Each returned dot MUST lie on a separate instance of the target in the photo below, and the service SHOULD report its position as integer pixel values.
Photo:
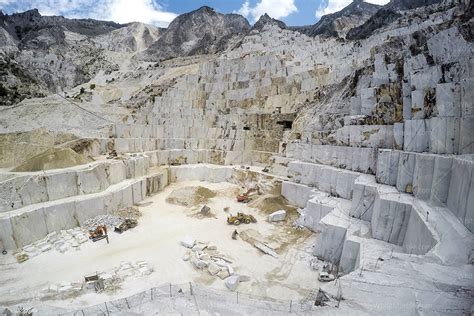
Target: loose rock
(277, 216)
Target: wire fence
(195, 297)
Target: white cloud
(120, 11)
(123, 11)
(331, 6)
(5, 2)
(277, 9)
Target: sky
(162, 12)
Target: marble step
(30, 223)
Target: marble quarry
(372, 141)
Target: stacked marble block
(57, 200)
(438, 106)
(212, 108)
(194, 144)
(441, 179)
(357, 159)
(339, 234)
(380, 210)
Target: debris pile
(108, 220)
(205, 257)
(98, 282)
(61, 241)
(128, 213)
(126, 217)
(190, 196)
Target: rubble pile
(107, 220)
(108, 280)
(128, 213)
(61, 241)
(112, 220)
(205, 257)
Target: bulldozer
(127, 224)
(241, 218)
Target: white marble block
(418, 105)
(416, 135)
(387, 166)
(355, 105)
(406, 168)
(441, 179)
(423, 175)
(466, 145)
(368, 100)
(444, 135)
(467, 97)
(448, 100)
(390, 218)
(461, 191)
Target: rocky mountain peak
(339, 23)
(410, 4)
(205, 9)
(267, 20)
(198, 32)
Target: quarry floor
(156, 240)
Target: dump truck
(241, 218)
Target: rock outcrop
(339, 23)
(370, 136)
(267, 20)
(202, 31)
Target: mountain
(19, 24)
(383, 17)
(339, 23)
(267, 20)
(201, 31)
(409, 4)
(40, 55)
(135, 37)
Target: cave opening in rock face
(222, 167)
(287, 125)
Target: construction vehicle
(126, 225)
(241, 218)
(326, 277)
(100, 232)
(245, 197)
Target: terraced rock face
(371, 138)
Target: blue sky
(162, 12)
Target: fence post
(128, 305)
(83, 312)
(237, 297)
(291, 305)
(191, 288)
(106, 308)
(151, 293)
(171, 294)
